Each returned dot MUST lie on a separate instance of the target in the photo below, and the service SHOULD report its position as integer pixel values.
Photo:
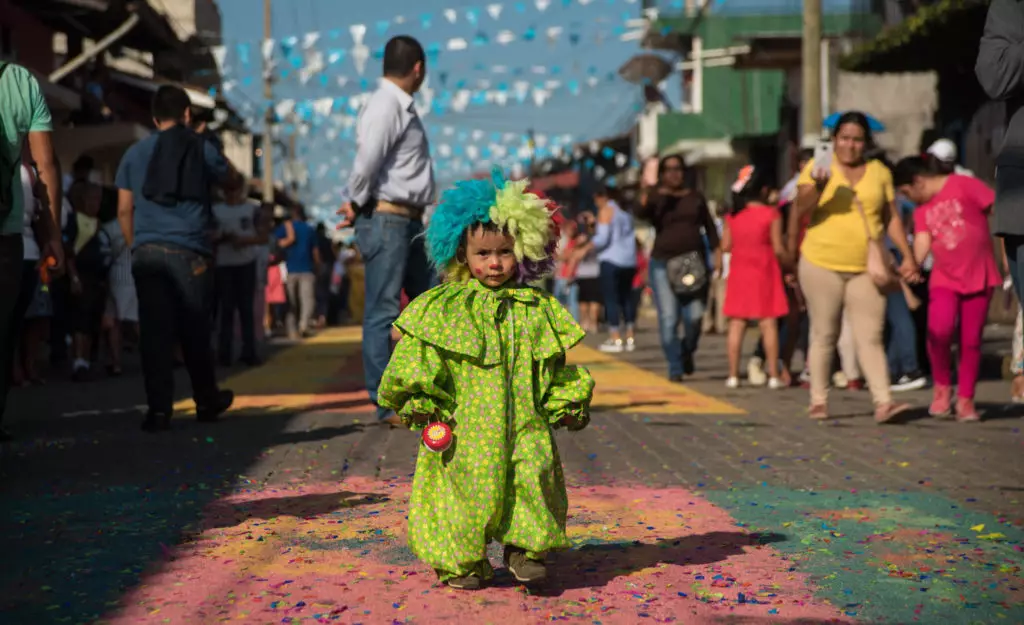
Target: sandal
(818, 412)
(885, 413)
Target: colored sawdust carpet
(894, 557)
(337, 554)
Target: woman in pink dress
(274, 293)
(754, 291)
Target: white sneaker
(612, 346)
(732, 382)
(755, 372)
(839, 380)
(775, 384)
(630, 345)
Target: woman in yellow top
(833, 261)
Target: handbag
(879, 260)
(687, 273)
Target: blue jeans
(617, 289)
(672, 309)
(901, 348)
(568, 294)
(394, 257)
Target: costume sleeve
(415, 382)
(568, 395)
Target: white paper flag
(358, 32)
(494, 10)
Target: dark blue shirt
(298, 257)
(185, 224)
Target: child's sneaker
(469, 582)
(522, 568)
(941, 396)
(965, 410)
(732, 382)
(630, 344)
(613, 346)
(775, 384)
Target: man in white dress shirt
(391, 185)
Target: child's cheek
(478, 271)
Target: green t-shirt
(22, 110)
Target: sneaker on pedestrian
(755, 372)
(612, 346)
(524, 569)
(775, 384)
(941, 398)
(630, 344)
(965, 410)
(688, 364)
(220, 405)
(839, 380)
(732, 382)
(805, 377)
(909, 381)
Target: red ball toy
(437, 436)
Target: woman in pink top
(951, 222)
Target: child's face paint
(491, 257)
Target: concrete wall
(905, 103)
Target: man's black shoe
(156, 422)
(209, 414)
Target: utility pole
(268, 98)
(811, 72)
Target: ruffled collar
(468, 318)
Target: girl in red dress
(754, 291)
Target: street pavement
(689, 503)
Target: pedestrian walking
(850, 201)
(164, 208)
(951, 222)
(297, 241)
(679, 271)
(240, 240)
(752, 234)
(23, 116)
(482, 358)
(615, 243)
(391, 185)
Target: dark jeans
(236, 291)
(617, 289)
(901, 340)
(175, 290)
(395, 259)
(60, 322)
(674, 310)
(11, 251)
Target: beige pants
(830, 296)
(714, 317)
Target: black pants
(236, 291)
(175, 290)
(11, 251)
(617, 290)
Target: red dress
(754, 288)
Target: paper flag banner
(360, 54)
(472, 16)
(505, 37)
(457, 43)
(219, 53)
(358, 32)
(450, 15)
(494, 10)
(310, 39)
(542, 5)
(382, 27)
(620, 159)
(268, 49)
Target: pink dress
(957, 219)
(275, 286)
(754, 288)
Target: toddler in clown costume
(484, 352)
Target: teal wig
(508, 205)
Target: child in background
(951, 222)
(485, 353)
(754, 291)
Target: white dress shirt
(392, 156)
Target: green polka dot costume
(491, 363)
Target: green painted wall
(744, 103)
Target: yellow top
(835, 236)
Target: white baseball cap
(944, 150)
